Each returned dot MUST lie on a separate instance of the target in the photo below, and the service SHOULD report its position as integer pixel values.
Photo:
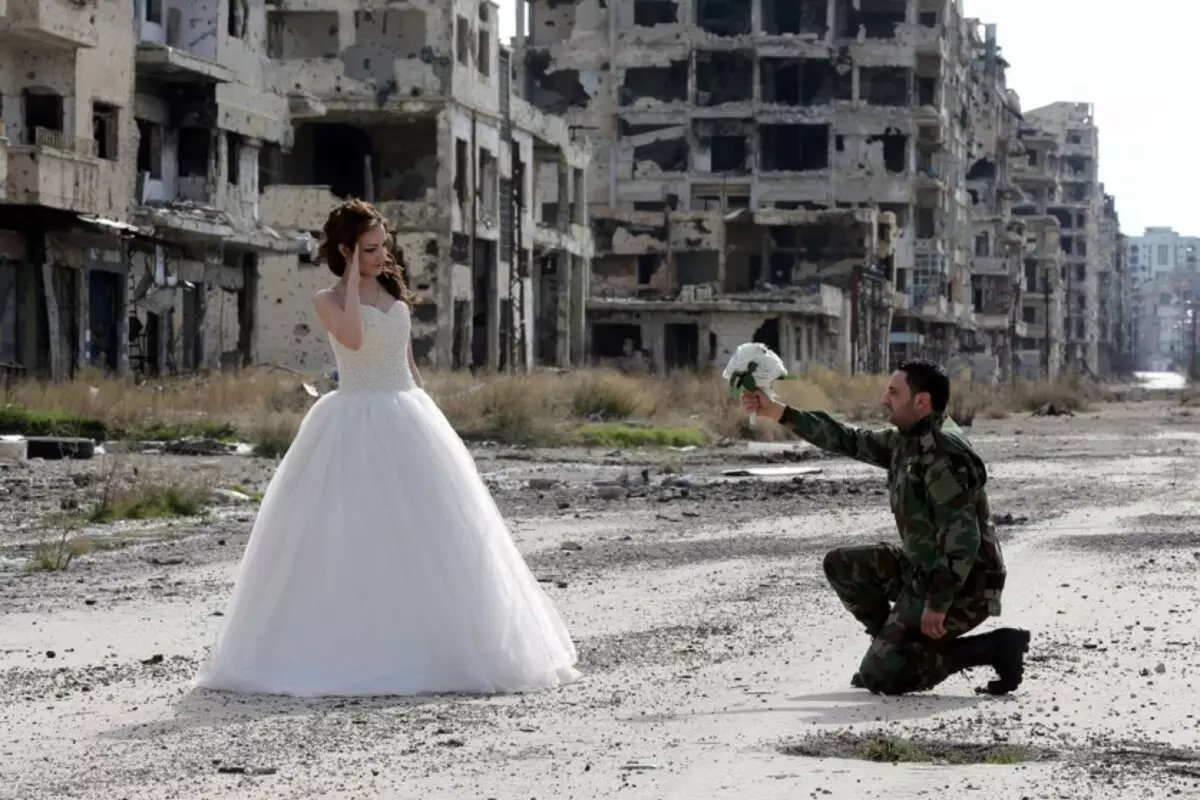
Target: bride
(379, 563)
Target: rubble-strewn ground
(709, 641)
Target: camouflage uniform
(948, 559)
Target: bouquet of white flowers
(753, 367)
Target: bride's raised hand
(353, 276)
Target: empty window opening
(233, 154)
(983, 245)
(802, 82)
(895, 150)
(647, 265)
(729, 153)
(880, 18)
(647, 13)
(695, 267)
(460, 169)
(270, 165)
(926, 91)
(577, 196)
(783, 17)
(982, 170)
(488, 176)
(484, 52)
(656, 148)
(462, 40)
(616, 341)
(926, 222)
(43, 110)
(150, 143)
(724, 78)
(554, 91)
(794, 148)
(885, 86)
(724, 17)
(665, 84)
(194, 145)
(105, 129)
(239, 11)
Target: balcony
(173, 64)
(59, 24)
(990, 265)
(57, 171)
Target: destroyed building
(413, 107)
(997, 238)
(1035, 172)
(204, 115)
(66, 83)
(788, 171)
(1115, 351)
(129, 233)
(1079, 208)
(1164, 280)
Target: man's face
(903, 408)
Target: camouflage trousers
(870, 581)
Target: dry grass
(598, 407)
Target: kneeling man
(918, 599)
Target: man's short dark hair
(924, 375)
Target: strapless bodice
(381, 364)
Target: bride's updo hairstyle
(346, 224)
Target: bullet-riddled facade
(412, 107)
(130, 232)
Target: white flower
(754, 366)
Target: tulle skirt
(380, 565)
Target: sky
(1134, 63)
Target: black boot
(1003, 650)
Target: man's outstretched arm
(820, 429)
(817, 427)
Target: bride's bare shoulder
(328, 297)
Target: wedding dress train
(379, 563)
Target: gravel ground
(716, 661)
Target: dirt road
(709, 640)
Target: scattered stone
(198, 446)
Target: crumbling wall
(289, 333)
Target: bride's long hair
(345, 225)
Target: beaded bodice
(381, 364)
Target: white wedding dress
(379, 563)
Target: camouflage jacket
(938, 496)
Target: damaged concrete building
(1115, 342)
(788, 171)
(830, 177)
(204, 115)
(62, 97)
(1035, 172)
(1078, 204)
(411, 105)
(997, 237)
(129, 229)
